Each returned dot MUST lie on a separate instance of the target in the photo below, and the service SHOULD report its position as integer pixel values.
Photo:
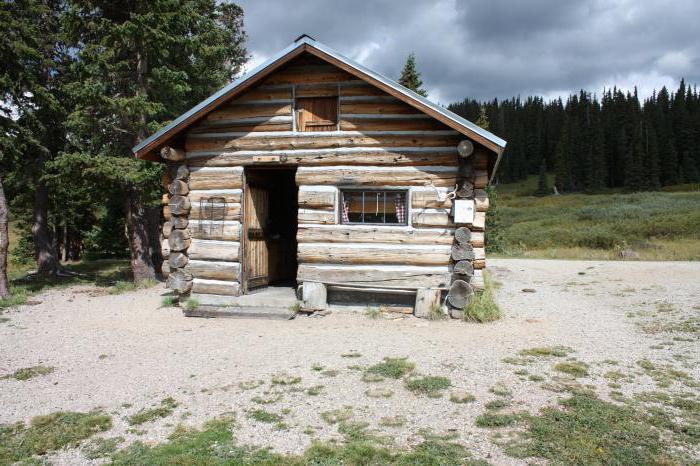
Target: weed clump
(483, 307)
(546, 351)
(27, 373)
(573, 368)
(394, 368)
(166, 408)
(267, 417)
(428, 385)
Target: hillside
(663, 225)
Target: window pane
(374, 207)
(353, 206)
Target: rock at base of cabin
(314, 296)
(457, 314)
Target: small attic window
(316, 113)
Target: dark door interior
(270, 228)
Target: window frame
(295, 112)
(405, 191)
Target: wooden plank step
(241, 312)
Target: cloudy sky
(496, 48)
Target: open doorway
(269, 228)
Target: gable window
(383, 207)
(317, 113)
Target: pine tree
(139, 65)
(410, 77)
(482, 120)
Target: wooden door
(317, 113)
(256, 219)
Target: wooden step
(241, 312)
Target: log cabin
(314, 172)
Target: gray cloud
(497, 48)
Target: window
(212, 212)
(317, 113)
(374, 207)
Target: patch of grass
(295, 308)
(330, 373)
(497, 404)
(27, 373)
(379, 393)
(165, 409)
(496, 420)
(267, 398)
(250, 384)
(337, 415)
(588, 430)
(500, 390)
(394, 368)
(124, 286)
(428, 385)
(315, 390)
(546, 351)
(317, 367)
(373, 312)
(169, 301)
(101, 447)
(371, 378)
(285, 379)
(191, 304)
(215, 444)
(656, 225)
(267, 417)
(573, 368)
(461, 396)
(351, 354)
(437, 312)
(45, 434)
(392, 421)
(483, 307)
(535, 378)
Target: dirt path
(123, 353)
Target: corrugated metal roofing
(305, 40)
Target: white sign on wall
(463, 210)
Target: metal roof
(305, 42)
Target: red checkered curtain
(346, 207)
(400, 204)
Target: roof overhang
(308, 44)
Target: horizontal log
(165, 269)
(229, 195)
(432, 218)
(318, 157)
(481, 179)
(165, 247)
(179, 222)
(213, 270)
(317, 197)
(481, 200)
(376, 107)
(214, 250)
(226, 231)
(267, 125)
(479, 263)
(372, 234)
(481, 159)
(477, 239)
(166, 212)
(179, 281)
(322, 217)
(316, 90)
(215, 141)
(218, 287)
(265, 93)
(376, 176)
(376, 253)
(407, 124)
(165, 198)
(377, 275)
(306, 74)
(230, 211)
(432, 198)
(479, 221)
(167, 228)
(243, 110)
(216, 178)
(360, 88)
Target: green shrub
(428, 384)
(267, 417)
(27, 373)
(573, 368)
(166, 408)
(191, 304)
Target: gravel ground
(112, 351)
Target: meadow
(662, 225)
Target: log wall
(380, 142)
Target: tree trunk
(45, 251)
(138, 235)
(4, 244)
